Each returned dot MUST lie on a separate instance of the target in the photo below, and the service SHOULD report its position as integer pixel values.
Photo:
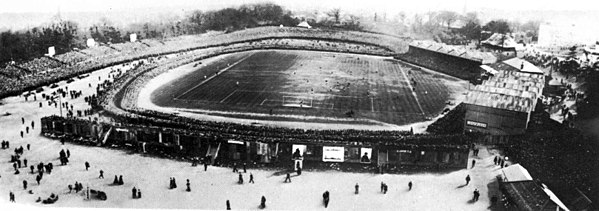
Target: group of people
(136, 193)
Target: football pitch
(306, 83)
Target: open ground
(306, 83)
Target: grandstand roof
(515, 173)
(524, 85)
(528, 195)
(457, 51)
(523, 65)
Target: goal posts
(298, 101)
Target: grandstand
(455, 61)
(503, 104)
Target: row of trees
(66, 35)
(453, 28)
(24, 45)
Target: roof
(517, 88)
(523, 65)
(515, 173)
(489, 69)
(457, 51)
(500, 101)
(501, 40)
(304, 24)
(528, 195)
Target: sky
(21, 6)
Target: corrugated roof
(458, 51)
(523, 65)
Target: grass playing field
(307, 83)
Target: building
(435, 152)
(526, 194)
(503, 104)
(456, 61)
(500, 43)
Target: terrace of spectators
(457, 51)
(83, 61)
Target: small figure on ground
(325, 198)
(240, 181)
(228, 205)
(101, 174)
(251, 178)
(473, 163)
(86, 165)
(467, 179)
(288, 178)
(357, 187)
(263, 202)
(410, 185)
(188, 186)
(134, 192)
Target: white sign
(231, 141)
(332, 154)
(476, 124)
(366, 155)
(51, 51)
(298, 151)
(133, 37)
(91, 42)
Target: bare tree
(335, 14)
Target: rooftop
(458, 51)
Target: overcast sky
(19, 6)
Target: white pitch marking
(372, 104)
(263, 101)
(228, 96)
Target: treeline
(66, 35)
(32, 43)
(453, 28)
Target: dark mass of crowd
(17, 78)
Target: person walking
(116, 180)
(325, 197)
(139, 193)
(409, 185)
(357, 189)
(134, 192)
(244, 168)
(24, 184)
(240, 181)
(11, 195)
(467, 179)
(263, 202)
(475, 194)
(101, 174)
(235, 168)
(251, 178)
(288, 178)
(188, 186)
(86, 165)
(473, 163)
(228, 205)
(121, 180)
(205, 165)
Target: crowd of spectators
(454, 66)
(450, 123)
(78, 61)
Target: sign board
(366, 155)
(231, 141)
(332, 154)
(298, 151)
(91, 42)
(476, 124)
(51, 51)
(133, 37)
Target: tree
(447, 17)
(335, 14)
(471, 30)
(532, 29)
(497, 26)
